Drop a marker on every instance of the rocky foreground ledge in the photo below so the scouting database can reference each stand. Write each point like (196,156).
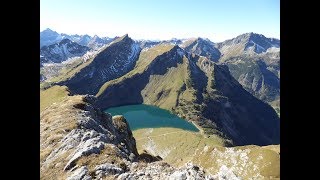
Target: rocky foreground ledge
(78,141)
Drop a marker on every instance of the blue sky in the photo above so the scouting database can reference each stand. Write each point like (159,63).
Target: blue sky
(217,20)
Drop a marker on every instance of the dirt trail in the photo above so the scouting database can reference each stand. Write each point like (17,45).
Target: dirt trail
(158,135)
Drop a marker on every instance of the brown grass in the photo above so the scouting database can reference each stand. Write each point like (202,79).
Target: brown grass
(184,146)
(52,95)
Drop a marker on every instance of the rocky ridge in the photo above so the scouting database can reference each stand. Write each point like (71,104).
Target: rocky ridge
(248,43)
(110,62)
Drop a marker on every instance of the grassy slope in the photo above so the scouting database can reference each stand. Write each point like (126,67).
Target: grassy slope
(177,146)
(66,72)
(71,70)
(52,95)
(168,85)
(172,144)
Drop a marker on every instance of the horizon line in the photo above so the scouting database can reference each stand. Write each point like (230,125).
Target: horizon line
(159,39)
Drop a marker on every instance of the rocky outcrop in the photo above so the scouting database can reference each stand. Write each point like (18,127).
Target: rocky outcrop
(73,129)
(80,173)
(161,170)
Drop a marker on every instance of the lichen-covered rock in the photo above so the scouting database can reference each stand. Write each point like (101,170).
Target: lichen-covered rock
(160,170)
(121,124)
(107,169)
(226,173)
(80,174)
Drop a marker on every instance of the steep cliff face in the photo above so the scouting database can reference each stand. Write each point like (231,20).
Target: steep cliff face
(113,61)
(197,89)
(78,141)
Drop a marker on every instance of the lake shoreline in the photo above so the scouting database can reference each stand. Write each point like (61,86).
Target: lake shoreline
(141,116)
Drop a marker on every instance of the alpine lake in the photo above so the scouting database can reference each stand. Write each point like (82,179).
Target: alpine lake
(145,116)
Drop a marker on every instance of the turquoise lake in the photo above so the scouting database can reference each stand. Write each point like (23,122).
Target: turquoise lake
(145,116)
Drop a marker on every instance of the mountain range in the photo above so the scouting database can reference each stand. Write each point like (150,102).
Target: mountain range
(49,37)
(253,59)
(197,80)
(230,90)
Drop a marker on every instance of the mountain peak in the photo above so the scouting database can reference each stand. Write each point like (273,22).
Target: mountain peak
(253,36)
(248,43)
(65,41)
(96,36)
(86,36)
(123,38)
(47,29)
(202,47)
(198,38)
